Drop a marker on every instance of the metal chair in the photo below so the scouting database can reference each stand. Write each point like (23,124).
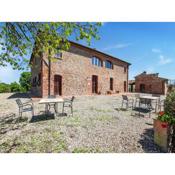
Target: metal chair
(127,101)
(25,107)
(68,103)
(160,105)
(137,99)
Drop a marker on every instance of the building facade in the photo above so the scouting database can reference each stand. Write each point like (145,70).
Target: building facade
(151,83)
(79,71)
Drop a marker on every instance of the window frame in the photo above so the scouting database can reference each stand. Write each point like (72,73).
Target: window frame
(109,64)
(96,61)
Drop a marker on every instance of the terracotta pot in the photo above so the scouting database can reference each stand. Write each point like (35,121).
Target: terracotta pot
(161,132)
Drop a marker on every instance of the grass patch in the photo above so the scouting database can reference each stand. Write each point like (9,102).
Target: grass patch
(104,118)
(45,142)
(99,110)
(86,150)
(73,121)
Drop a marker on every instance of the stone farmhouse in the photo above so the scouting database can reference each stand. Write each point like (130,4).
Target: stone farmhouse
(151,83)
(79,71)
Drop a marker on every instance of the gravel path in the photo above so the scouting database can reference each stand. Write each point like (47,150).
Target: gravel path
(98,125)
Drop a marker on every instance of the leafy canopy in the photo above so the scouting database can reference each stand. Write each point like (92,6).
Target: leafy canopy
(17,39)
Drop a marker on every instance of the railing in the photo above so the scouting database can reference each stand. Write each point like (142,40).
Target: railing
(171,82)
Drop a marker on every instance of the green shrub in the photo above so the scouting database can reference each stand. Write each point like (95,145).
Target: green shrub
(4,88)
(15,87)
(170,104)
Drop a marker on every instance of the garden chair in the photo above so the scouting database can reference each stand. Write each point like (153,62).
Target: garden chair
(128,102)
(160,105)
(25,107)
(137,99)
(68,103)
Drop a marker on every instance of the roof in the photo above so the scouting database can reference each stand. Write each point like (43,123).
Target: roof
(94,50)
(152,74)
(97,51)
(131,81)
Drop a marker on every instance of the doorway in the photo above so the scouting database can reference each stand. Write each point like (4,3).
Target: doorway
(142,88)
(57,85)
(94,84)
(124,86)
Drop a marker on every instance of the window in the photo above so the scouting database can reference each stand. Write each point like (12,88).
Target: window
(125,69)
(34,82)
(111,84)
(58,55)
(39,79)
(108,64)
(96,61)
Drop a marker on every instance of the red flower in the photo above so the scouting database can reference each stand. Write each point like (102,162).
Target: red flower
(161,113)
(164,125)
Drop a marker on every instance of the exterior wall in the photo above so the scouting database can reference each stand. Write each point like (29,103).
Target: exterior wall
(153,84)
(76,70)
(36,89)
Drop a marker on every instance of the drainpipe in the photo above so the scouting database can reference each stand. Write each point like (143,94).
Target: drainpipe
(49,74)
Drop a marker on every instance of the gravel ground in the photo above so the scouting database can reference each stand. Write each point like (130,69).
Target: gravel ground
(98,125)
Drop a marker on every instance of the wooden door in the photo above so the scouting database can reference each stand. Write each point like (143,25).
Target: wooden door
(111,84)
(57,85)
(142,88)
(94,84)
(124,86)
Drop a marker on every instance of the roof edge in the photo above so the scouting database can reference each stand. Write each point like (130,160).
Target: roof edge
(74,43)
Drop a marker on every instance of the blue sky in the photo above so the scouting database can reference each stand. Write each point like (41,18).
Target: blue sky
(147,46)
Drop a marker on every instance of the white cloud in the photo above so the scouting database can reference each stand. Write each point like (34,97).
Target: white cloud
(156,50)
(118,46)
(163,60)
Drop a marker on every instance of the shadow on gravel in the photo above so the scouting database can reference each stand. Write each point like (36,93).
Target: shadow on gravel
(20,95)
(42,117)
(147,142)
(11,122)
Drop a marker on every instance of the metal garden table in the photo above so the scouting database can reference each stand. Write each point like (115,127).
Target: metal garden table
(49,102)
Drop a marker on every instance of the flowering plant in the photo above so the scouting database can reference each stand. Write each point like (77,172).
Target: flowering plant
(162,116)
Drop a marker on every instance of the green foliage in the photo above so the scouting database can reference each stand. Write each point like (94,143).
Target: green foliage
(18,38)
(169,111)
(24,86)
(15,87)
(25,81)
(170,104)
(4,88)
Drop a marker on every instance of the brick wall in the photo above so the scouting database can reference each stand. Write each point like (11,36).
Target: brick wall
(76,70)
(153,84)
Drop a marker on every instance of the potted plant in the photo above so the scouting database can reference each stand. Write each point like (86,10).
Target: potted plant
(165,122)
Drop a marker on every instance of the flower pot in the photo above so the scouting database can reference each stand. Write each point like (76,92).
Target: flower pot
(161,132)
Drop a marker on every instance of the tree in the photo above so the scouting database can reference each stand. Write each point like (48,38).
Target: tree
(15,87)
(25,81)
(18,39)
(4,88)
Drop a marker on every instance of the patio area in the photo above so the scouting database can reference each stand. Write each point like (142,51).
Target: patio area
(98,125)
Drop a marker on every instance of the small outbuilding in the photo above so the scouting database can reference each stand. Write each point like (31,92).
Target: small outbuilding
(151,83)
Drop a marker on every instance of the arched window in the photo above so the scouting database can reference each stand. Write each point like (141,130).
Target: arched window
(108,64)
(96,61)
